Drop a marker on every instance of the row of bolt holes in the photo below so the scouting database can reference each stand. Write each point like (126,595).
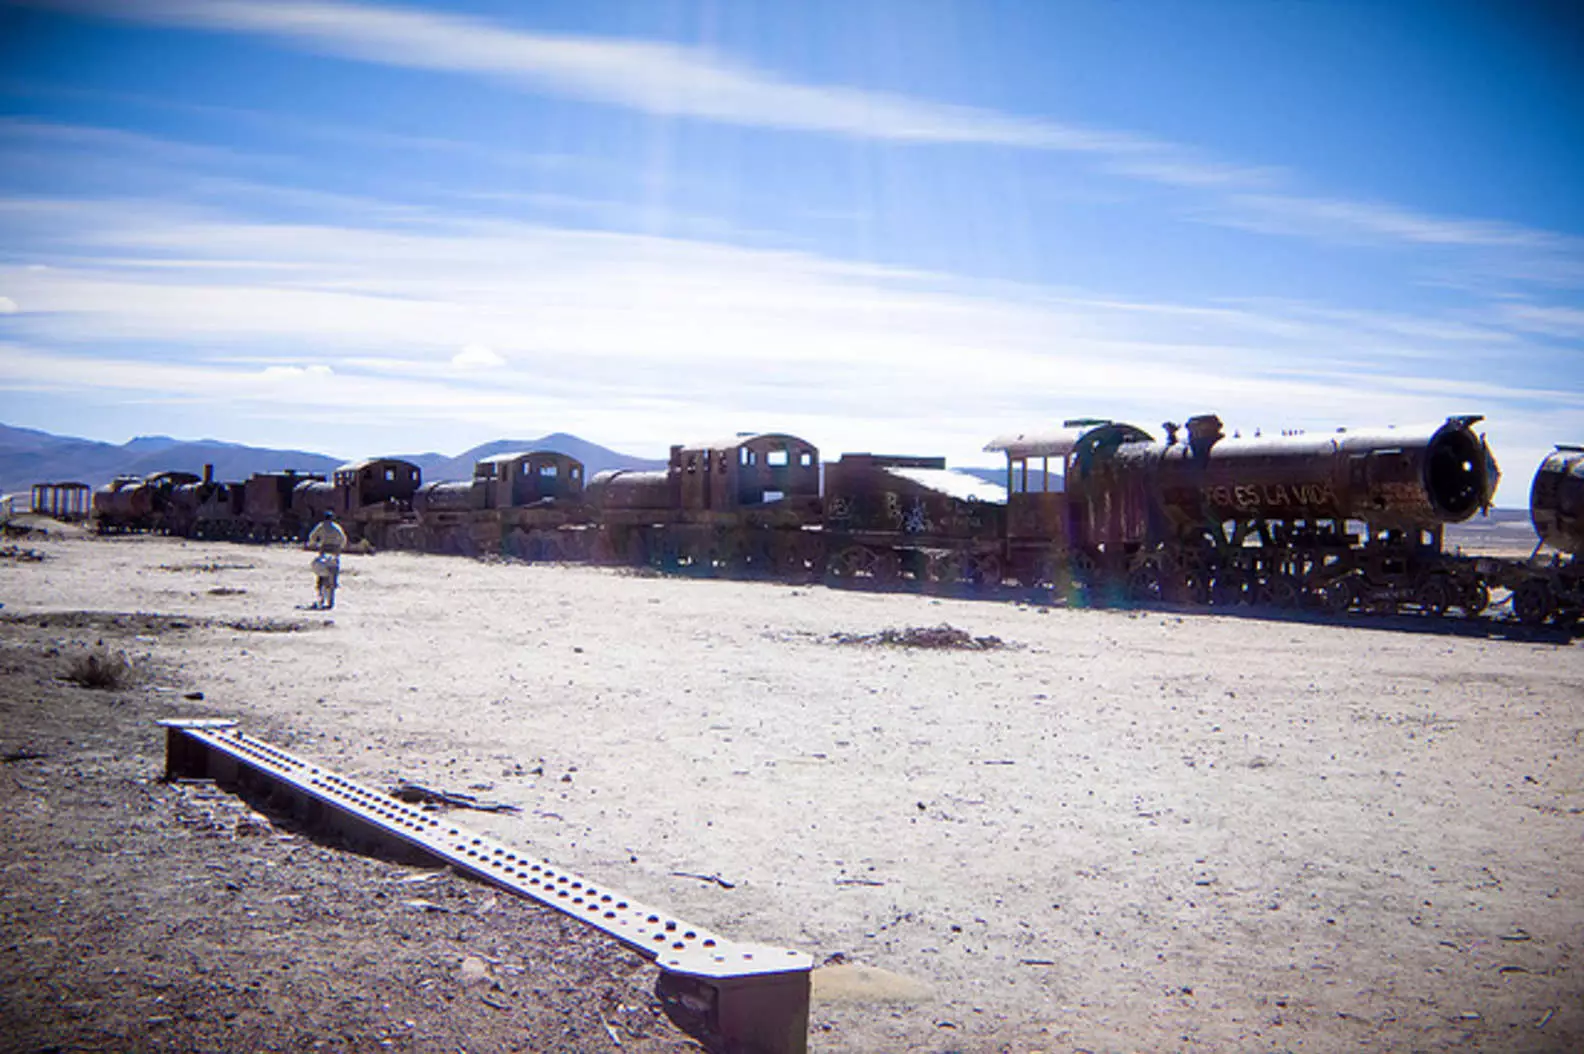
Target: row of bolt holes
(346,789)
(377,803)
(259,750)
(549,879)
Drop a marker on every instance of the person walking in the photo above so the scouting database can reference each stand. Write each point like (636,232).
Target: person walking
(328,537)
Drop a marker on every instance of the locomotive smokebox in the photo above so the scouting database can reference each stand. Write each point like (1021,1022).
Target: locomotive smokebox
(1556,500)
(1460,475)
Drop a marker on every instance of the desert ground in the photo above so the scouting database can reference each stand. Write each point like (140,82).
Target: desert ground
(1127,830)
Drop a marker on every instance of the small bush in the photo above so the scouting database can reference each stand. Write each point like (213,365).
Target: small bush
(100,669)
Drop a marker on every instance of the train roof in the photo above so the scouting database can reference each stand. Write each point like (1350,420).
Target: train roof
(952,482)
(368,462)
(1056,442)
(518,455)
(743,439)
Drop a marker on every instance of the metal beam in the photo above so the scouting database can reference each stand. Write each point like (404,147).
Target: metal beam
(756,997)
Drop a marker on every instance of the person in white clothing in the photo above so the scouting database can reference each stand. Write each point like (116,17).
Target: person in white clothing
(328,537)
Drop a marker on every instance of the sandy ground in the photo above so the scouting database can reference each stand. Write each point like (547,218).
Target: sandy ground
(1145,830)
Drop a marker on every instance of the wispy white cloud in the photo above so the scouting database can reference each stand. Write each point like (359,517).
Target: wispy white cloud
(680,81)
(644,340)
(1288,213)
(477,357)
(660,78)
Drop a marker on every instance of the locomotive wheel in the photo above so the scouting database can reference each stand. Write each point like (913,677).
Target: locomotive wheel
(984,571)
(1281,592)
(1532,603)
(1229,589)
(850,564)
(1336,597)
(1144,585)
(1434,595)
(1083,580)
(1476,598)
(947,569)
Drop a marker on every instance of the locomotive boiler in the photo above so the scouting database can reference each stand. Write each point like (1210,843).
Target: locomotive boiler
(1350,518)
(137,503)
(1550,587)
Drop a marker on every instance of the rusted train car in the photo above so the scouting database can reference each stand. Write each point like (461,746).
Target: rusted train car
(890,519)
(371,498)
(741,505)
(528,504)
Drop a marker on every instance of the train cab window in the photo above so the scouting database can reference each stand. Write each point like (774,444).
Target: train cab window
(777,458)
(576,472)
(806,459)
(390,475)
(744,456)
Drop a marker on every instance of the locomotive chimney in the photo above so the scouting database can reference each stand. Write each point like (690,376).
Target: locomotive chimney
(208,475)
(1203,431)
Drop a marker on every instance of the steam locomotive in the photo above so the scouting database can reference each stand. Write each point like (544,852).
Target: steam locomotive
(1094,512)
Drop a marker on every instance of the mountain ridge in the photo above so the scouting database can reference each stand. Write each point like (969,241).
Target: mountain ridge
(30,455)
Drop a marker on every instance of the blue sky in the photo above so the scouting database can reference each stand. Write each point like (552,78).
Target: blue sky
(911,226)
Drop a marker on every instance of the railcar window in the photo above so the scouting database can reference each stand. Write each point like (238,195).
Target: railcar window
(806,459)
(692,464)
(547,470)
(774,495)
(744,456)
(776,458)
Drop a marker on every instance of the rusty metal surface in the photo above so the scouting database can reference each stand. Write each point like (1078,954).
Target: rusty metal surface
(1556,500)
(1056,442)
(759,993)
(1404,478)
(513,480)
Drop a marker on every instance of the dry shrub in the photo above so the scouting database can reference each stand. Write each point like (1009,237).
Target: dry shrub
(100,669)
(942,636)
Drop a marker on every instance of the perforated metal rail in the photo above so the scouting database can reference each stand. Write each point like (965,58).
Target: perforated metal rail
(753,997)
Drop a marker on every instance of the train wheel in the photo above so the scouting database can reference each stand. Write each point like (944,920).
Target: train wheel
(1434,595)
(1476,598)
(850,564)
(1281,592)
(947,569)
(1229,589)
(1532,602)
(1144,585)
(984,571)
(1338,596)
(1083,581)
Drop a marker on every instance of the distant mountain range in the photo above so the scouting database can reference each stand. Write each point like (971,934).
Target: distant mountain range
(29,456)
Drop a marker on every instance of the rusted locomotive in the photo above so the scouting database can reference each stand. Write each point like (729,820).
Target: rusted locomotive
(371,498)
(1341,520)
(137,503)
(1550,587)
(739,505)
(1096,511)
(527,504)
